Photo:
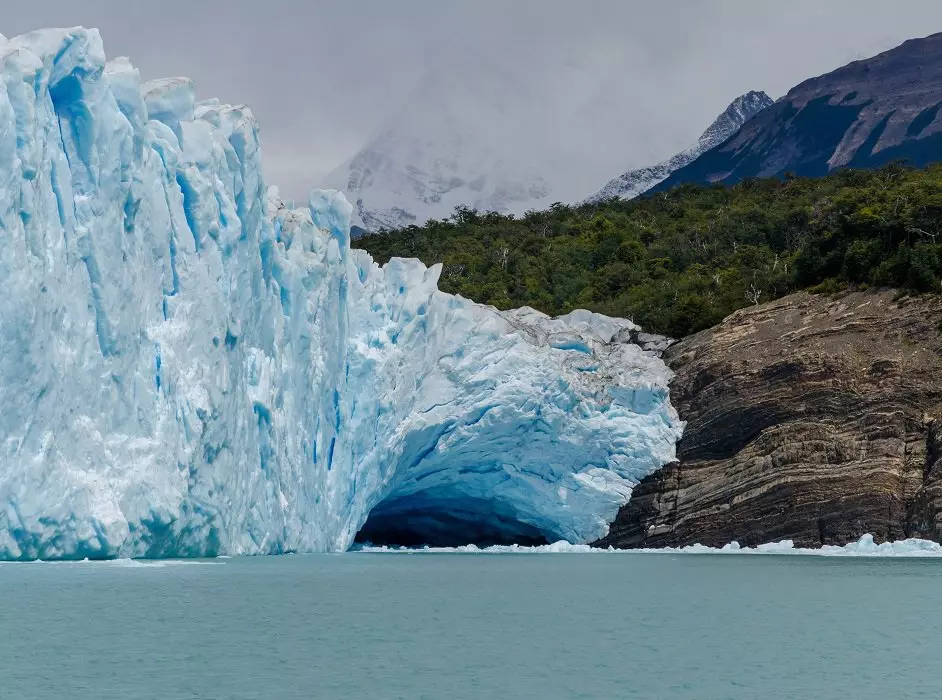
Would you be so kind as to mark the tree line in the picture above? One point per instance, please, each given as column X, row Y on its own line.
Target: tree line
column 679, row 261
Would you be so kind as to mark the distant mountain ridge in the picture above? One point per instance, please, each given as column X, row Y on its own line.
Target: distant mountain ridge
column 456, row 140
column 863, row 115
column 630, row 184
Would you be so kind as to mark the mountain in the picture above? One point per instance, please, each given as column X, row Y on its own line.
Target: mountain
column 457, row 140
column 396, row 182
column 189, row 368
column 863, row 115
column 488, row 136
column 635, row 182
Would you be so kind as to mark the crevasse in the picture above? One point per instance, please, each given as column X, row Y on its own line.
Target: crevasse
column 188, row 368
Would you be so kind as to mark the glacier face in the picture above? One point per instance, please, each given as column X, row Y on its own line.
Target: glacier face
column 189, row 368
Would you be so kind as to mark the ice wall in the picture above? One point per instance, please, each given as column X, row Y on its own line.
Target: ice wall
column 188, row 368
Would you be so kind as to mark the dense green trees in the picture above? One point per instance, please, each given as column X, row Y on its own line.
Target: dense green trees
column 680, row 261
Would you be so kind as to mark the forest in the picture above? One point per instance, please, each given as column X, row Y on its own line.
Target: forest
column 679, row 261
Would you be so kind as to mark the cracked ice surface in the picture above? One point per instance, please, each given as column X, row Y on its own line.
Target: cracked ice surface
column 188, row 368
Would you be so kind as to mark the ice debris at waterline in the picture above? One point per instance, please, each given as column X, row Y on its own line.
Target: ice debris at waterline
column 864, row 547
column 187, row 368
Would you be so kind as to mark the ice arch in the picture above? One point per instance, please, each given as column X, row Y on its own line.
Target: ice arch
column 189, row 368
column 520, row 451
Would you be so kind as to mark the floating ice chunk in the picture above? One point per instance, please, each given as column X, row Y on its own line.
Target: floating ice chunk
column 865, row 547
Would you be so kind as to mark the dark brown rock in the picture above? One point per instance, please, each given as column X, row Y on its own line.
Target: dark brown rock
column 811, row 418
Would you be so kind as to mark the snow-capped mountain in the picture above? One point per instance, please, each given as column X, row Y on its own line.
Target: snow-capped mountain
column 458, row 140
column 190, row 368
column 635, row 182
column 396, row 182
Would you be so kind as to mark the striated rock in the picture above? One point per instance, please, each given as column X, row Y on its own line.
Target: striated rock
column 810, row 418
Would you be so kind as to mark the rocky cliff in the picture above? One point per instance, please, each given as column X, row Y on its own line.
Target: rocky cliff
column 811, row 418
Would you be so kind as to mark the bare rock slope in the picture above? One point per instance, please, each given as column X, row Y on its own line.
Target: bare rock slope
column 810, row 418
column 862, row 115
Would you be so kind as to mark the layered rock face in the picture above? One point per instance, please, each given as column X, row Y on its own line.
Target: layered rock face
column 811, row 418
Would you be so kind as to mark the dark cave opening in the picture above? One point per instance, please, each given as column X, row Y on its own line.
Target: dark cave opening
column 445, row 520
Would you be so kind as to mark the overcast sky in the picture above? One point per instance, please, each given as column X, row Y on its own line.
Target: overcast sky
column 321, row 76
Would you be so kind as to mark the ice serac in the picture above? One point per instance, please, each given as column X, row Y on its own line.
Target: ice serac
column 187, row 367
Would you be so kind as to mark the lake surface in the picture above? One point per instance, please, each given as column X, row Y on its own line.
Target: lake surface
column 455, row 626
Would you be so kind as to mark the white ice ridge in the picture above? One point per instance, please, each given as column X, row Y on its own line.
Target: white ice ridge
column 188, row 368
column 864, row 547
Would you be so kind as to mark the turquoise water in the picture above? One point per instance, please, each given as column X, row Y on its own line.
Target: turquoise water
column 457, row 626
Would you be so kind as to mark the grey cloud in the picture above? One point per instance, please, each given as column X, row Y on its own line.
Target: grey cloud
column 640, row 78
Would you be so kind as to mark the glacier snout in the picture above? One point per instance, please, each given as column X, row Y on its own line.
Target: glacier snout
column 189, row 368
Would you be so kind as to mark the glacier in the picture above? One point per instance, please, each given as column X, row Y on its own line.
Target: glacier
column 190, row 368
